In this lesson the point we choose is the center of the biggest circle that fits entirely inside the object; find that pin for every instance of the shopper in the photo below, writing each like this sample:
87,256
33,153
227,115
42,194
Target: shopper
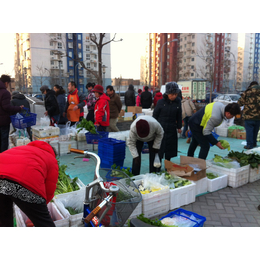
146,98
168,113
19,99
203,122
138,98
130,96
6,109
158,96
61,99
250,99
144,129
28,178
90,102
102,112
115,106
188,109
51,105
75,104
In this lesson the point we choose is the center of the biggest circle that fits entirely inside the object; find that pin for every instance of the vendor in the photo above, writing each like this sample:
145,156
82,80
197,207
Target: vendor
28,178
144,129
203,122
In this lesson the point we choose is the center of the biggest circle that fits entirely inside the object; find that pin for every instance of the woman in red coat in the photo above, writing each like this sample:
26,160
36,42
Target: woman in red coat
28,177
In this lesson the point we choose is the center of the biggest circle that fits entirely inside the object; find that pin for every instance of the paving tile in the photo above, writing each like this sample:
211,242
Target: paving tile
229,209
213,223
249,225
235,224
227,215
219,206
250,219
226,222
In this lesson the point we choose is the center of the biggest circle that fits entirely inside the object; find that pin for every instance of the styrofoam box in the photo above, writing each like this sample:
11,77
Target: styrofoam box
217,183
221,131
236,177
72,199
64,147
55,145
155,203
58,219
40,131
83,145
201,186
254,174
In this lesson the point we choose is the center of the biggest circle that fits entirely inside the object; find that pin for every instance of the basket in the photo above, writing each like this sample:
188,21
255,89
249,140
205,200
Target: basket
28,119
107,163
123,204
94,138
185,214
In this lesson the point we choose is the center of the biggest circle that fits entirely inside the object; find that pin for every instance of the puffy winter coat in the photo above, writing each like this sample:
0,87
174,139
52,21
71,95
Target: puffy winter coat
102,112
157,97
51,103
115,105
146,99
187,107
130,96
138,100
20,100
6,109
33,166
61,99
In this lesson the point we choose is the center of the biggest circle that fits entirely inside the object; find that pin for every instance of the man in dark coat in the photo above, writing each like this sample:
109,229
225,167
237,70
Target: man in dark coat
146,98
6,109
169,114
51,104
130,96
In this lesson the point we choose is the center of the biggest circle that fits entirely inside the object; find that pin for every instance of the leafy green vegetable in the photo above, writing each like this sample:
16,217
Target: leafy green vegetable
211,175
245,159
225,144
87,125
155,222
73,211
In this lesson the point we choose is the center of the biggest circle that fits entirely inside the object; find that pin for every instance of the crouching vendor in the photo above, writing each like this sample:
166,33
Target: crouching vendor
144,129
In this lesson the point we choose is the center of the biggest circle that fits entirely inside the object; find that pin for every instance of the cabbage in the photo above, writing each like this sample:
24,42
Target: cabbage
225,144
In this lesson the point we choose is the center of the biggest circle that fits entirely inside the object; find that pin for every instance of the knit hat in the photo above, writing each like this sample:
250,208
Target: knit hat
172,88
139,91
15,93
99,89
43,88
142,128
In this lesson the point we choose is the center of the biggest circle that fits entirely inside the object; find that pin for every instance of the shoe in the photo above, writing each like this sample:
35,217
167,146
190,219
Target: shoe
247,147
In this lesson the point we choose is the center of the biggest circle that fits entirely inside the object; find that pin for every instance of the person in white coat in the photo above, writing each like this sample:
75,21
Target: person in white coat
144,129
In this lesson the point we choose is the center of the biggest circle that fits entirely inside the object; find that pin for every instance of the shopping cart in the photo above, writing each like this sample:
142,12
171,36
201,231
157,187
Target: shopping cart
108,202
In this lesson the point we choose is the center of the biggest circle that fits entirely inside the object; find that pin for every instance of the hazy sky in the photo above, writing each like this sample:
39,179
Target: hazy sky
125,55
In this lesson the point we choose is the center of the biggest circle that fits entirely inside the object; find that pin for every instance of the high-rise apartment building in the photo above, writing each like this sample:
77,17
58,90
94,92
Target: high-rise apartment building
52,58
256,69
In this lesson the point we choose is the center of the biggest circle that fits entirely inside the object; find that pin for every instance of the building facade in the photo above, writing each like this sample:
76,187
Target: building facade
256,70
52,58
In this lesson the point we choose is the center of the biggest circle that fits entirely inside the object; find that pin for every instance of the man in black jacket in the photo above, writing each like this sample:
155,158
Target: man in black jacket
146,98
130,96
51,104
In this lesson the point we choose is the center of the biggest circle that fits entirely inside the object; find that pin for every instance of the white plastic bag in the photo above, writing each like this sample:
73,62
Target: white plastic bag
157,163
45,121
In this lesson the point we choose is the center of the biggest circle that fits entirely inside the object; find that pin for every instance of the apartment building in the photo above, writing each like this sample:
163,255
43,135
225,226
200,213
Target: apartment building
256,69
52,58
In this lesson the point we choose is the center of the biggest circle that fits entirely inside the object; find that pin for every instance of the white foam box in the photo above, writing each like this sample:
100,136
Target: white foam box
217,183
72,199
201,186
57,217
83,145
155,203
254,174
55,145
64,147
43,131
221,131
236,176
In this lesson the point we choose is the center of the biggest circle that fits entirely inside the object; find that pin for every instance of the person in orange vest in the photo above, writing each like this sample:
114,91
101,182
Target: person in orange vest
75,104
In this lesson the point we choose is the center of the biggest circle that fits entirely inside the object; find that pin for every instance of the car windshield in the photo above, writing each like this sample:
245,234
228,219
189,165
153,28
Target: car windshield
235,97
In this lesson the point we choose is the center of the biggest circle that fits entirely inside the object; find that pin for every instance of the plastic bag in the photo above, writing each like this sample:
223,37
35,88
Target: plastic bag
157,163
229,165
153,181
196,167
18,116
180,221
45,121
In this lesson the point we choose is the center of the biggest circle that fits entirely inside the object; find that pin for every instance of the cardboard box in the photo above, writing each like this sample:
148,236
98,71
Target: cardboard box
187,171
241,135
232,133
135,110
122,113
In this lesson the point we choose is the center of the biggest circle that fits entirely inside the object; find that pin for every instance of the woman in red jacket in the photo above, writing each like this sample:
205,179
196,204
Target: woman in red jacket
102,112
28,177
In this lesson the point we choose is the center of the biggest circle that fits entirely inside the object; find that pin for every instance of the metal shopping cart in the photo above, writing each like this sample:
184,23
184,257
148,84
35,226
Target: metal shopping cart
111,198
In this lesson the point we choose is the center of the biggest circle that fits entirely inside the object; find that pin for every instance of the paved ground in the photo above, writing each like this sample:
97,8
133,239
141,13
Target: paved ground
228,207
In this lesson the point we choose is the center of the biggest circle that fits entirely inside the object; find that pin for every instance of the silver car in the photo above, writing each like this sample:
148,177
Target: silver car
227,98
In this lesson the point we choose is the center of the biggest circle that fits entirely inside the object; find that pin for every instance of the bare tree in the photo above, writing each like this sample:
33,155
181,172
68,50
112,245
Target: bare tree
42,75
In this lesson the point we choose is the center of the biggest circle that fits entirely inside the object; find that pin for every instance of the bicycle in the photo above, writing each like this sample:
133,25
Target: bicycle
110,198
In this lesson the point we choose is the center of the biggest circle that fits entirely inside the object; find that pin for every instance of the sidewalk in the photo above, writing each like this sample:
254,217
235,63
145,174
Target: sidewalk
229,207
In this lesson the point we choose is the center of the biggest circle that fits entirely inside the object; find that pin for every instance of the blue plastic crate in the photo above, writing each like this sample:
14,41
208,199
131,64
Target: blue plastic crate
95,138
111,144
108,163
181,212
105,153
25,121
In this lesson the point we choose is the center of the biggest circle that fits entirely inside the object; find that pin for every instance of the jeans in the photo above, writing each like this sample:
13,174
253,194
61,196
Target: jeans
252,128
56,118
185,128
4,138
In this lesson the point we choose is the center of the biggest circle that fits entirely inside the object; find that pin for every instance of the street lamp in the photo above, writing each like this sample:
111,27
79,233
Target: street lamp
234,86
104,73
174,40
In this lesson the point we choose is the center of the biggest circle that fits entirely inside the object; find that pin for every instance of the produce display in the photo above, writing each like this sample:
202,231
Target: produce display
156,222
211,175
73,211
225,144
87,125
120,174
245,159
218,158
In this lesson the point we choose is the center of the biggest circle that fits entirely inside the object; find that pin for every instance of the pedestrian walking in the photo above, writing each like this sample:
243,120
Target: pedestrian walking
130,96
144,129
101,112
6,109
158,96
90,102
61,99
51,104
188,109
75,104
203,122
19,99
115,106
146,98
138,98
250,99
168,113
28,178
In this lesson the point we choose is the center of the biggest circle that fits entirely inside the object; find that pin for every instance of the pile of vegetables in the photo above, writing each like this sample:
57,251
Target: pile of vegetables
87,125
211,175
225,144
73,211
144,190
65,183
218,158
116,171
156,222
245,159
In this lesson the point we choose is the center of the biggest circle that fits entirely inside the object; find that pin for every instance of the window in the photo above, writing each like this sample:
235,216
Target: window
70,45
59,45
87,56
71,72
70,54
79,37
71,63
88,65
51,43
70,36
192,59
79,46
52,62
193,44
192,74
87,47
80,55
58,35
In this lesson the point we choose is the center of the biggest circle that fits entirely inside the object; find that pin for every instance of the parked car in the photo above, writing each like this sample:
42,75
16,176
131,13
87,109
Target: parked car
213,96
227,98
39,96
